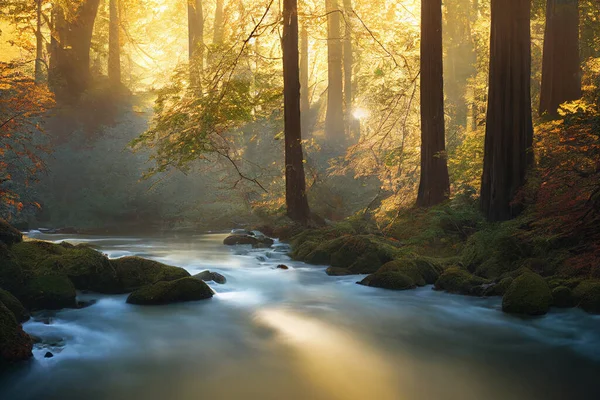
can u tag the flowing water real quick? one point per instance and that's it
(299, 334)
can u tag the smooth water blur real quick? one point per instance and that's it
(299, 334)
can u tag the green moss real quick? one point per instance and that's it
(12, 276)
(15, 345)
(529, 294)
(14, 305)
(333, 271)
(8, 234)
(302, 251)
(562, 296)
(460, 281)
(390, 280)
(50, 292)
(181, 290)
(31, 253)
(89, 269)
(407, 267)
(135, 272)
(587, 296)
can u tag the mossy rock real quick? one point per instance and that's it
(302, 251)
(12, 276)
(135, 272)
(181, 290)
(500, 288)
(15, 344)
(334, 271)
(587, 296)
(406, 267)
(365, 264)
(50, 292)
(390, 280)
(459, 281)
(14, 305)
(8, 234)
(529, 294)
(562, 297)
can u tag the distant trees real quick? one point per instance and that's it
(295, 183)
(561, 77)
(434, 186)
(509, 129)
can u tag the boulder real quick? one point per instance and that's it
(14, 305)
(49, 292)
(209, 276)
(254, 241)
(15, 344)
(562, 297)
(587, 296)
(281, 266)
(181, 290)
(334, 271)
(8, 234)
(136, 272)
(459, 281)
(390, 280)
(529, 294)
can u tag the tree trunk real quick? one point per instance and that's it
(561, 78)
(304, 76)
(334, 120)
(39, 43)
(114, 45)
(218, 28)
(348, 64)
(509, 129)
(434, 187)
(196, 42)
(295, 184)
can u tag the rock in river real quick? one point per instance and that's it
(181, 290)
(208, 276)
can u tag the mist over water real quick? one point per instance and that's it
(299, 334)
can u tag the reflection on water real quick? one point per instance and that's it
(298, 334)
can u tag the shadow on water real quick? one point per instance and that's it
(298, 334)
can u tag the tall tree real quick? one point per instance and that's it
(196, 41)
(218, 28)
(114, 45)
(561, 78)
(304, 89)
(434, 186)
(348, 64)
(334, 120)
(39, 43)
(295, 181)
(509, 129)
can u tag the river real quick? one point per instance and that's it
(298, 334)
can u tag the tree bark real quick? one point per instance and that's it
(114, 45)
(434, 186)
(196, 42)
(348, 64)
(295, 183)
(334, 120)
(39, 43)
(561, 77)
(509, 129)
(218, 28)
(304, 76)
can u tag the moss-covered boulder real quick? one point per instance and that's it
(562, 297)
(14, 305)
(390, 280)
(459, 281)
(587, 296)
(211, 276)
(49, 292)
(8, 234)
(135, 272)
(529, 294)
(12, 276)
(15, 344)
(254, 240)
(181, 290)
(87, 268)
(335, 271)
(499, 288)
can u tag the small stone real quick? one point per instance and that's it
(282, 266)
(48, 355)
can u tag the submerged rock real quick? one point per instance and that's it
(529, 294)
(8, 234)
(209, 276)
(181, 290)
(391, 280)
(136, 272)
(15, 344)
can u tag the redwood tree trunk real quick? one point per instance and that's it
(509, 130)
(334, 120)
(434, 187)
(304, 89)
(114, 46)
(561, 78)
(295, 184)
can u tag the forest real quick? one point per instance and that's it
(314, 168)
